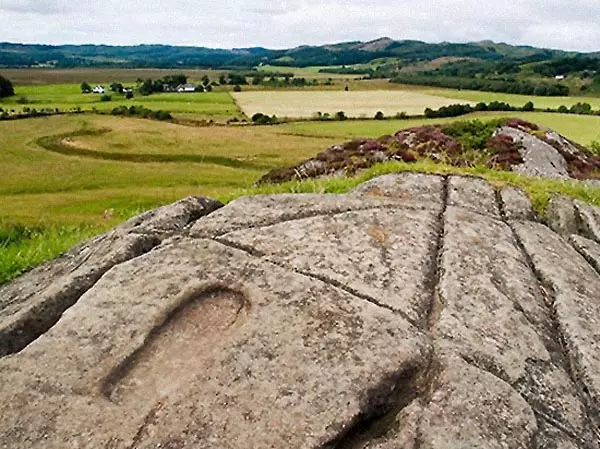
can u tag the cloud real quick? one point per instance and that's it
(283, 23)
(32, 7)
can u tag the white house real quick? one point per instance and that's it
(559, 77)
(98, 89)
(184, 88)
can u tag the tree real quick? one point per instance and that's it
(528, 107)
(6, 88)
(205, 80)
(379, 116)
(85, 88)
(147, 87)
(237, 88)
(237, 78)
(116, 87)
(340, 115)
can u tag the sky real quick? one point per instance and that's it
(567, 25)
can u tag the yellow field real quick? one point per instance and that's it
(353, 103)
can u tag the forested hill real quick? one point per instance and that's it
(347, 53)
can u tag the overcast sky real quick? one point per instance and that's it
(569, 25)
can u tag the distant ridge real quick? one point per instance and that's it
(344, 53)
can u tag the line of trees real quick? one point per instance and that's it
(490, 85)
(456, 110)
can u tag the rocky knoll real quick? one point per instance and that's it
(509, 144)
(414, 312)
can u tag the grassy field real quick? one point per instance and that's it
(513, 99)
(353, 103)
(216, 105)
(69, 177)
(47, 188)
(580, 128)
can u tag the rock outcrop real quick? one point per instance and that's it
(414, 312)
(515, 145)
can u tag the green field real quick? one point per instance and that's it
(68, 177)
(65, 97)
(580, 128)
(513, 99)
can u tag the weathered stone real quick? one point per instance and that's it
(516, 205)
(590, 220)
(588, 249)
(36, 300)
(415, 187)
(266, 210)
(473, 193)
(385, 255)
(561, 216)
(173, 218)
(540, 158)
(409, 313)
(576, 287)
(199, 345)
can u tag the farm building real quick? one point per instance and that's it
(184, 88)
(98, 89)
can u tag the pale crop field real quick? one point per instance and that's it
(353, 103)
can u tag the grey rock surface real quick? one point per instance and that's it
(562, 217)
(516, 203)
(539, 157)
(416, 311)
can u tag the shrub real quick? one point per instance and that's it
(262, 119)
(528, 107)
(105, 97)
(22, 100)
(379, 116)
(340, 115)
(237, 88)
(6, 88)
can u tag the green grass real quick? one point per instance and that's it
(580, 128)
(513, 99)
(540, 190)
(217, 105)
(50, 201)
(22, 248)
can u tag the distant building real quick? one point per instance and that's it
(559, 77)
(98, 89)
(185, 88)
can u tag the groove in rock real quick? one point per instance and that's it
(383, 404)
(332, 213)
(436, 302)
(177, 348)
(556, 333)
(43, 316)
(253, 252)
(591, 261)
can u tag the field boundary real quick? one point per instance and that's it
(55, 144)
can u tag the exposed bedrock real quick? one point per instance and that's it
(416, 311)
